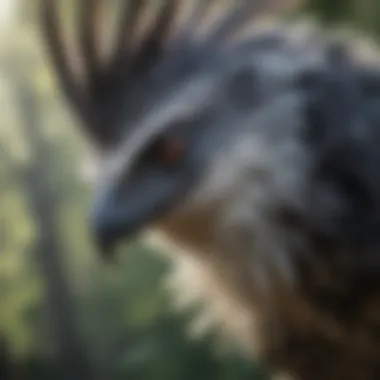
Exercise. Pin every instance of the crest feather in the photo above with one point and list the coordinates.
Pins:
(98, 96)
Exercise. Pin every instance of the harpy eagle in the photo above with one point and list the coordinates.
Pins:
(253, 151)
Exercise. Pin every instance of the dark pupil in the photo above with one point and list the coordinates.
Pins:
(163, 151)
(156, 149)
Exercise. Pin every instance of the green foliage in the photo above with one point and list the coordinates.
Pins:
(361, 14)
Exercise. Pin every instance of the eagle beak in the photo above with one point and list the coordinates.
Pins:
(105, 242)
(112, 221)
(116, 218)
(111, 225)
(123, 208)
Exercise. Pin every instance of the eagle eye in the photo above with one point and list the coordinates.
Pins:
(166, 151)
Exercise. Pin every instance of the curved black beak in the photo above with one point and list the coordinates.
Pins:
(114, 219)
(122, 209)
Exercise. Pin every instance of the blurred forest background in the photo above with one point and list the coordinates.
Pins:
(63, 314)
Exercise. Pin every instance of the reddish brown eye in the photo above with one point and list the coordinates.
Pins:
(171, 151)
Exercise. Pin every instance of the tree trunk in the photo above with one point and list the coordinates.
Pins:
(72, 359)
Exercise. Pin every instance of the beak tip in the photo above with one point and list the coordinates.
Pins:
(104, 243)
(106, 248)
(107, 231)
